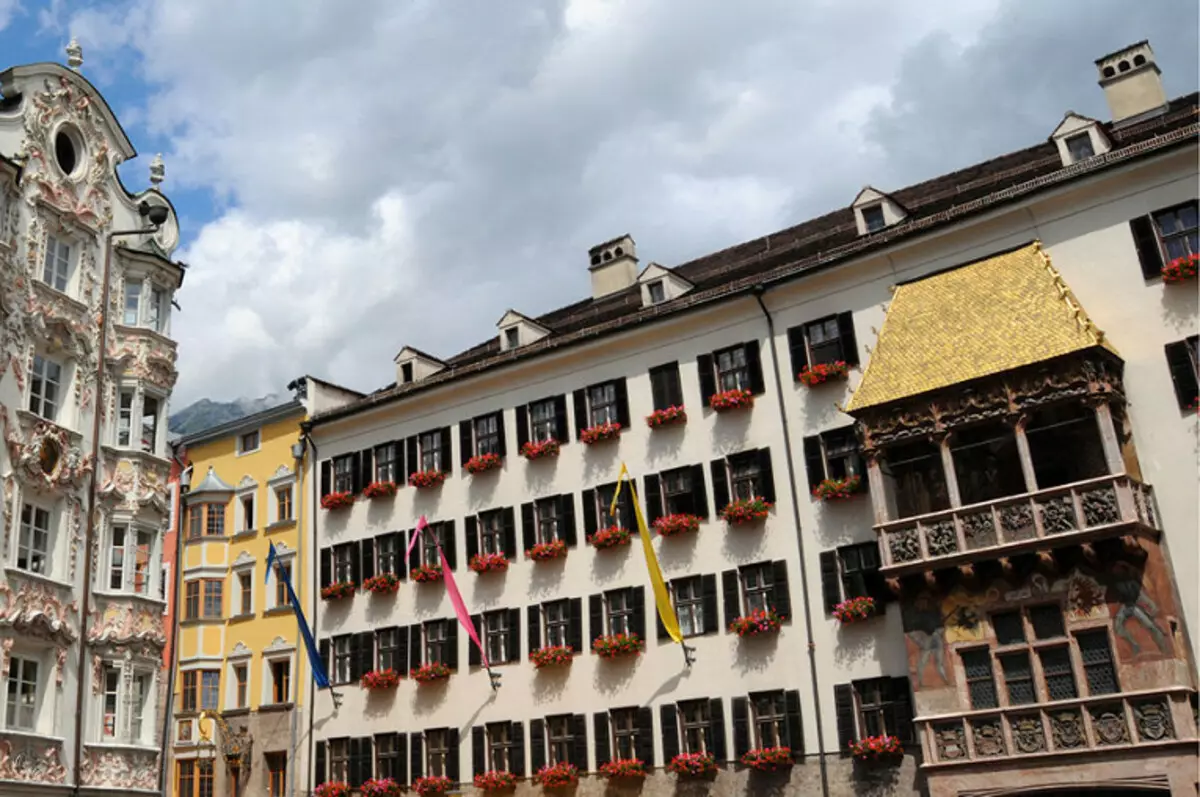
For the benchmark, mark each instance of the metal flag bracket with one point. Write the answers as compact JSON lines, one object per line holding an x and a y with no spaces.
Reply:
{"x":337,"y":699}
{"x":688,"y":650}
{"x":494,"y":678}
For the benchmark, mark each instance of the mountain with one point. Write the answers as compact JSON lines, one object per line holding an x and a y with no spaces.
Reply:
{"x":205,"y":413}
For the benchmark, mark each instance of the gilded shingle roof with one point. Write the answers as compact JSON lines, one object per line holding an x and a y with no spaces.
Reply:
{"x":991,"y":316}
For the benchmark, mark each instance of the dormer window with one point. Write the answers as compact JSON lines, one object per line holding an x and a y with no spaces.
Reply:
{"x":512,"y":338}
{"x":1079,"y":146}
{"x":406,"y":373}
{"x":875,"y":210}
{"x":873,"y":218}
{"x":658,"y":292}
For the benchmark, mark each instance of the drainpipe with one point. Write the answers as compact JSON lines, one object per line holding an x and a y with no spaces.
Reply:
{"x":758,"y":292}
{"x":306,"y":433}
{"x":293,"y":775}
{"x":172,"y":638}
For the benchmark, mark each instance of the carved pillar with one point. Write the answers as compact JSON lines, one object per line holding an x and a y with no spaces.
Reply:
{"x":1108,"y":437}
{"x":943,"y":442}
{"x":875,"y":483}
{"x":1018,"y":425}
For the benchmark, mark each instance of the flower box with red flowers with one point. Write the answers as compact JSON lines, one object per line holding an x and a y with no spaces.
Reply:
{"x":482,"y":463}
{"x":380,"y":679}
{"x":1181,"y":269}
{"x":379,"y":490}
{"x":822,"y":372}
{"x":671,"y":416}
{"x":672,"y":525}
{"x":557,"y":776}
{"x":426,"y":574}
{"x":382,"y":584}
{"x":628,"y":768}
{"x":768,"y":759}
{"x":429,"y":673}
{"x":612,"y":646}
{"x":610,"y":537}
{"x":489,"y":563}
{"x":340,"y":500}
{"x":759,"y":621}
{"x":877,"y":748}
{"x":695,"y":765}
{"x":432,"y":785}
{"x":337,"y":591}
{"x":543,"y":449}
{"x":854,"y":610}
{"x":546,"y":551}
{"x":552,"y":656}
{"x":381,"y":787}
{"x":838,"y":489}
{"x":495,"y":781}
{"x":600,"y":432}
{"x":728,"y":400}
{"x":335,"y":788}
{"x":746,"y":510}
{"x":425,"y":479}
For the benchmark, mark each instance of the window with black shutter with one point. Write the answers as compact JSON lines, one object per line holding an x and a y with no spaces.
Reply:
{"x":733,"y":368}
{"x":501,"y":748}
{"x":491,"y":532}
{"x":823,"y":342}
{"x":602,"y":403}
{"x":343,"y":659}
{"x":345,"y":474}
{"x":1178,"y":230}
{"x":668,"y":716}
{"x":1183,"y":361}
{"x":884,"y":707}
{"x":695,"y":602}
{"x":597,"y":504}
{"x":852,"y":571}
{"x":500,"y":632}
{"x":438,"y":534}
{"x":555,"y":623}
{"x":482,"y":435}
{"x":560,"y":740}
{"x":768,"y":717}
{"x":835,"y":454}
{"x":437,"y":751}
{"x":433,"y":450}
{"x":389,"y":465}
{"x":743,"y":476}
{"x":666,"y":390}
{"x":679,"y":491}
{"x":347,"y":563}
{"x":545,"y":419}
{"x":761,"y":586}
{"x":391,"y":754}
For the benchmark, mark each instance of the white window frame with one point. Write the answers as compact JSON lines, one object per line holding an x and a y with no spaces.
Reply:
{"x":246,"y":524}
{"x":128,"y":566}
{"x":15,"y":670}
{"x":239,"y":658}
{"x":151,"y":297}
{"x":287,"y":559}
{"x":241,"y":439}
{"x":268,"y":677}
{"x":274,"y":486}
{"x":55,"y":241}
{"x":62,"y":384}
{"x":139,"y":394}
{"x":238,"y":572}
{"x":52,"y":535}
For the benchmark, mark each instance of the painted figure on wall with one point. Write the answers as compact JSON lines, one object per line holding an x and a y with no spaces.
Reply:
{"x":929,"y":625}
{"x":1128,"y":590}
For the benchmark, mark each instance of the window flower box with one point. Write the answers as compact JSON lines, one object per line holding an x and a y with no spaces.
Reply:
{"x":757,"y":622}
{"x":877,"y":748}
{"x":823,"y":372}
{"x":838,"y":489}
{"x":495,"y":781}
{"x":335,"y":501}
{"x":746,"y":510}
{"x":557,"y":776}
{"x":1181,"y":269}
{"x":693,"y":765}
{"x":381,"y":787}
{"x":382,"y":584}
{"x":671,"y":416}
{"x":338,"y":590}
{"x":672,"y":525}
{"x":430,"y":673}
{"x":426,"y":574}
{"x":545,"y":551}
{"x":729,"y":400}
{"x":541,"y":450}
{"x":610,"y":537}
{"x":482,"y":463}
{"x":612,"y":646}
{"x":854,"y":610}
{"x":379,"y":490}
{"x":432,"y":785}
{"x":552,"y":656}
{"x":626,"y":768}
{"x":768,"y":759}
{"x":425,"y":479}
{"x":380,"y":679}
{"x":335,"y":788}
{"x":489,"y":563}
{"x":600,"y":432}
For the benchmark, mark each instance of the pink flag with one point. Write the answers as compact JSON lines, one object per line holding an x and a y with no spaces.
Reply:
{"x":460,"y":608}
{"x":412,"y":543}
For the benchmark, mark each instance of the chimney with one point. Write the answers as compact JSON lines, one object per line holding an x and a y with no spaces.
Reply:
{"x":613,"y":266}
{"x":1132,"y":84}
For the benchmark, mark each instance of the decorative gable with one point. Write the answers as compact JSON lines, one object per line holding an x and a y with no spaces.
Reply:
{"x":875,"y":210}
{"x":1079,"y":138}
{"x":413,"y":365}
{"x":660,"y":284}
{"x":518,"y":330}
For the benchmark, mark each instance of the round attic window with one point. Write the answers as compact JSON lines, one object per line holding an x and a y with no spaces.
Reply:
{"x":67,"y":150}
{"x":48,"y":456}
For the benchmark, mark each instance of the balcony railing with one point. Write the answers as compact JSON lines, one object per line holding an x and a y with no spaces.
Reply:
{"x":1105,"y":722}
{"x":1069,"y":514}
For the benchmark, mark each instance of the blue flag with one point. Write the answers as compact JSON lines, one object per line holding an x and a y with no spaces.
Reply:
{"x":314,"y":657}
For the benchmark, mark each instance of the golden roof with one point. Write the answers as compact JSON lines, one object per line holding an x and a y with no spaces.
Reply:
{"x":988,"y":317}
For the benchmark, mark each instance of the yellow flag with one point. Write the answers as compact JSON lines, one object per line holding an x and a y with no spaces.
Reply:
{"x":666,"y":612}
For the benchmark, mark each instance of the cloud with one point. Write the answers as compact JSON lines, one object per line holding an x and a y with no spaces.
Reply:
{"x":387,"y":174}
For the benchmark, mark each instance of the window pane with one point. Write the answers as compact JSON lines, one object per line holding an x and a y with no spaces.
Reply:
{"x":1060,"y":678}
{"x":1018,"y":677}
{"x":1096,"y":654}
{"x":1010,"y":629}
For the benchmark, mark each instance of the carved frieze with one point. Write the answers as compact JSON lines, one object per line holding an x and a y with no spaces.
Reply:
{"x":1058,"y":514}
{"x":120,"y":769}
{"x":44,"y":455}
{"x":134,"y":483}
{"x":1066,"y":729}
{"x":145,"y":356}
{"x":36,"y":608}
{"x":941,"y":538}
{"x":31,"y":762}
{"x":1028,"y":735}
{"x":1109,"y":724}
{"x":1153,"y":718}
{"x":1100,"y":507}
{"x":989,"y":738}
{"x":951,"y":741}
{"x":125,"y":623}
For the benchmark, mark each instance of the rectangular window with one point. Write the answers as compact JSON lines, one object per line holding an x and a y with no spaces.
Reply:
{"x":860,"y":571}
{"x":56,"y":268}
{"x":191,"y":689}
{"x":156,"y":309}
{"x":512,"y":338}
{"x":487,"y":434}
{"x":619,"y":608}
{"x":497,"y":635}
{"x":241,"y":680}
{"x":339,"y":759}
{"x":1059,"y":675}
{"x":1018,"y":678}
{"x":195,"y":521}
{"x":833,"y":455}
{"x":758,"y":587}
{"x":557,"y":616}
{"x":770,"y":719}
{"x":981,"y":686}
{"x":499,"y":742}
{"x":387,"y":643}
{"x":559,"y":738}
{"x":491,"y":532}
{"x":281,"y":681}
{"x":343,"y":474}
{"x":277,"y":774}
{"x":665,"y":387}
{"x":1178,"y":230}
{"x":387,"y":553}
{"x":1079,"y":146}
{"x":435,"y":642}
{"x":125,"y":417}
{"x":210,"y":690}
{"x":143,"y":688}
{"x":248,"y":442}
{"x":45,"y":387}
{"x":406,"y":373}
{"x":745,"y":476}
{"x":689,"y":604}
{"x":602,"y":403}
{"x":341,"y":659}
{"x":624,"y":731}
{"x":387,"y":464}
{"x":187,"y":777}
{"x":679,"y":493}
{"x":733,"y":372}
{"x":283,"y":503}
{"x":214,"y":604}
{"x":432,"y":541}
{"x":657,"y":291}
{"x":437,"y":749}
{"x":150,"y":406}
{"x":283,"y":575}
{"x":343,"y":562}
{"x":387,"y":757}
{"x":873,"y":218}
{"x":694,"y":725}
{"x":542,"y":420}
{"x":215,"y":525}
{"x":116,"y":559}
{"x":191,"y":600}
{"x":112,"y":689}
{"x":547,"y":519}
{"x":1183,"y":362}
{"x":431,"y":451}
{"x":205,"y":778}
{"x":1096,"y":654}
{"x":245,"y":592}
{"x":604,"y":502}
{"x":248,"y":518}
{"x":33,"y":544}
{"x":884,"y":707}
{"x":824,"y":340}
{"x":141,"y":542}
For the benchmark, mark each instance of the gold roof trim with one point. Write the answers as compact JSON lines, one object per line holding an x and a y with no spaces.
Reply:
{"x":984,"y":318}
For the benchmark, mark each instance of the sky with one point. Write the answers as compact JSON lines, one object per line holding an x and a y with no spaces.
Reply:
{"x":355,"y":177}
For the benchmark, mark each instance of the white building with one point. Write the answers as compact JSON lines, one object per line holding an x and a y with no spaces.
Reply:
{"x":81,"y":635}
{"x":1109,"y":203}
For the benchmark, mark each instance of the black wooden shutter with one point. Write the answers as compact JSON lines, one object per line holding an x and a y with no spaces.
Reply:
{"x":366,"y":759}
{"x":416,"y":756}
{"x":528,"y":531}
{"x":1183,"y":373}
{"x":754,"y":367}
{"x":589,"y":513}
{"x":643,"y":745}
{"x":716,"y":716}
{"x":720,"y":478}
{"x":708,"y":589}
{"x":366,"y":555}
{"x":522,"y":426}
{"x":416,"y":647}
{"x":699,"y":493}
{"x":517,"y":760}
{"x":354,"y":661}
{"x":366,"y":467}
{"x":366,"y":652}
{"x":566,"y":519}
{"x":845,"y":322}
{"x":779,"y":588}
{"x":831,"y":587}
{"x":412,"y":457}
{"x":622,"y":403}
{"x":452,"y":764}
{"x":560,"y":419}
{"x":665,"y":388}
{"x":319,"y":764}
{"x":731,"y":587}
{"x":600,"y":731}
{"x":447,"y":450}
{"x":533,"y":626}
{"x":596,"y":617}
{"x":466,"y":445}
{"x":814,"y":461}
{"x":471,"y":529}
{"x":660,"y":630}
{"x":652,"y":492}
{"x":356,"y":472}
{"x":326,"y":478}
{"x":902,"y":720}
{"x":352,"y":755}
{"x":575,"y":627}
{"x":669,"y":720}
{"x":451,"y":646}
{"x":323,"y":652}
{"x":795,"y":724}
{"x":625,"y":506}
{"x":401,"y":748}
{"x":478,"y":754}
{"x":740,"y":709}
{"x":1145,"y":238}
{"x":401,"y":546}
{"x":450,"y":544}
{"x":708,"y":377}
{"x":501,"y":439}
{"x":355,"y":563}
{"x":401,"y":657}
{"x":509,"y":527}
{"x":581,"y":413}
{"x":326,"y":567}
{"x":537,"y":744}
{"x":579,"y":749}
{"x":766,"y":474}
{"x":797,"y":351}
{"x":473,"y":659}
{"x":514,"y":635}
{"x":843,"y":707}
{"x":638,"y":621}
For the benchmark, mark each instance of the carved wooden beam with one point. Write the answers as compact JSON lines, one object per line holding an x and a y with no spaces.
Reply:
{"x":1133,"y":546}
{"x":893,"y":583}
{"x":930,"y":579}
{"x":967,"y":573}
{"x":1089,"y":553}
{"x":1046,"y":561}
{"x":1006,"y":565}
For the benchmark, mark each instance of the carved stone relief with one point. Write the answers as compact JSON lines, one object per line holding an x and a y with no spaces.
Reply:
{"x":1058,"y":514}
{"x":1109,"y":724}
{"x":1100,"y":507}
{"x":1028,"y":735}
{"x":1066,"y":729}
{"x":989,"y":738}
{"x":1153,"y":719}
{"x":31,"y":762}
{"x":37,"y":609}
{"x":126,"y":769}
{"x":951,"y":741}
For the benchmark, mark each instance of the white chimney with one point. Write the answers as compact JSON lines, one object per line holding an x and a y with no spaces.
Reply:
{"x":1132,"y":83}
{"x":613,"y":266}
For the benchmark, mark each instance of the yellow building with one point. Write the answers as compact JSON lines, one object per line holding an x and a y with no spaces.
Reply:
{"x":241,"y":665}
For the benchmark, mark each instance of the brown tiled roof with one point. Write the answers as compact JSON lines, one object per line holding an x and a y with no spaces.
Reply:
{"x":821,"y":242}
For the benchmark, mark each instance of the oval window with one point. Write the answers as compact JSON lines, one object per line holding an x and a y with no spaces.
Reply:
{"x":48,"y":456}
{"x":65,"y":152}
